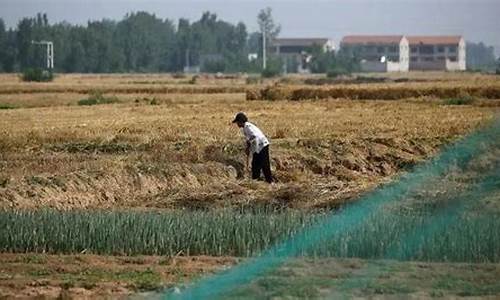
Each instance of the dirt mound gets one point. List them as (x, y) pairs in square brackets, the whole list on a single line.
[(394, 92), (309, 173)]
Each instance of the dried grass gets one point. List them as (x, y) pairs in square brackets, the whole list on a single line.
[(185, 153), (388, 92)]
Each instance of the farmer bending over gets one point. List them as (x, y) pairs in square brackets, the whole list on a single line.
[(258, 145)]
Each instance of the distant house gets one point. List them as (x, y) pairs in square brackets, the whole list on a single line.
[(445, 53), (379, 53), (296, 51), (299, 45), (399, 53)]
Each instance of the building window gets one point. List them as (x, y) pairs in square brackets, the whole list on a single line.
[(380, 50), (414, 59), (440, 49), (414, 49), (453, 58), (441, 58), (369, 48), (428, 58), (394, 58), (452, 49), (427, 49), (393, 49)]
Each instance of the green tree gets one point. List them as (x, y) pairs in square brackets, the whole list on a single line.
[(28, 30), (3, 44), (9, 54), (321, 61), (182, 55), (267, 25), (75, 61), (480, 57), (24, 45), (40, 31), (144, 38), (102, 54), (348, 59), (268, 28), (213, 44), (69, 51), (237, 56), (254, 42), (140, 42)]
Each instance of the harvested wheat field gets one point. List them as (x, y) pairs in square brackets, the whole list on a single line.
[(103, 170), (180, 150)]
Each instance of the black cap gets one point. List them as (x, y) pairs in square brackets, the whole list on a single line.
[(240, 118)]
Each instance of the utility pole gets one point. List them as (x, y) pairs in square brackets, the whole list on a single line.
[(187, 60), (264, 58), (50, 52)]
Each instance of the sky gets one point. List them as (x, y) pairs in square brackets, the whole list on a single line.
[(476, 20)]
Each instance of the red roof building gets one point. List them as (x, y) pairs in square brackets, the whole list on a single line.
[(437, 53), (371, 39), (423, 53), (379, 53)]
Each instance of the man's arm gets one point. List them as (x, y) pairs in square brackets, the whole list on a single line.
[(247, 157), (247, 148)]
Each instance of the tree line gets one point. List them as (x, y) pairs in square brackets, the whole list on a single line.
[(481, 57), (140, 42)]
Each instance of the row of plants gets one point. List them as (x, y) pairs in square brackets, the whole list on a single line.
[(443, 210), (230, 233)]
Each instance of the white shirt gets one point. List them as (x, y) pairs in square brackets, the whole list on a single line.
[(255, 136)]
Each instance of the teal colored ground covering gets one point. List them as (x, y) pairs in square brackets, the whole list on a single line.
[(449, 221), (431, 230)]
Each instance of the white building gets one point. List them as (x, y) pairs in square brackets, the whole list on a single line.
[(399, 53), (379, 53), (445, 53)]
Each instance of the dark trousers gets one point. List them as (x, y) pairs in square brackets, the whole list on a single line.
[(260, 162)]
